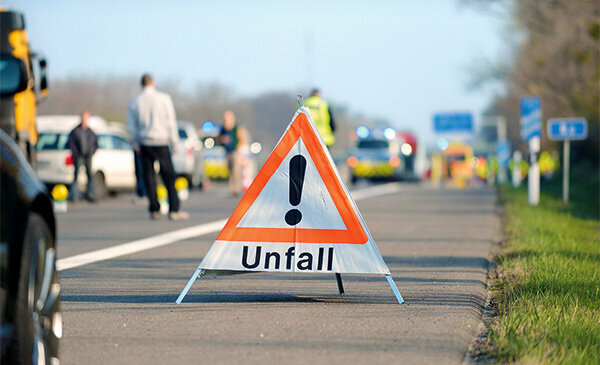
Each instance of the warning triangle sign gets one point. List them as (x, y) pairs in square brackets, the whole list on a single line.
[(297, 216), (323, 210)]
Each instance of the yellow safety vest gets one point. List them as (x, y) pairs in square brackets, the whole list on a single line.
[(319, 111)]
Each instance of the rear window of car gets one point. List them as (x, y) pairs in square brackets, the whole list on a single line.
[(51, 141), (373, 144)]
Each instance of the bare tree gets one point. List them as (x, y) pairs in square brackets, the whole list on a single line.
[(558, 60)]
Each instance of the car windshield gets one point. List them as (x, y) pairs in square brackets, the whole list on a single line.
[(373, 144), (182, 133), (10, 74), (51, 141), (459, 158)]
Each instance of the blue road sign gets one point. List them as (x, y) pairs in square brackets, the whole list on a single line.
[(503, 152), (458, 122), (567, 129), (531, 117)]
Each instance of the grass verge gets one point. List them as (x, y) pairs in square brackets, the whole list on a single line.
[(548, 286)]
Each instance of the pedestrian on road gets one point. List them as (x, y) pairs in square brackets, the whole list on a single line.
[(83, 143), (245, 159), (152, 126), (321, 114), (229, 139)]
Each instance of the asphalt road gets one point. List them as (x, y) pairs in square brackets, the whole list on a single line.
[(436, 242)]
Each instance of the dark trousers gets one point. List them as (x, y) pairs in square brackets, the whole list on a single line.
[(161, 154), (86, 161), (140, 187)]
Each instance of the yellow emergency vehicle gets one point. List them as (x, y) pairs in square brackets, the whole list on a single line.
[(24, 82), (460, 162)]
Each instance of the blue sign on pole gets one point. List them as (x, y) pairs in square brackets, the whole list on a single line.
[(531, 117), (460, 122), (567, 129), (503, 152)]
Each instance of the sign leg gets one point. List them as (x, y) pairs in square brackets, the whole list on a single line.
[(188, 286), (566, 162), (338, 278), (394, 289)]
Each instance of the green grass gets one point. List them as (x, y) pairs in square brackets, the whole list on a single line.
[(548, 290)]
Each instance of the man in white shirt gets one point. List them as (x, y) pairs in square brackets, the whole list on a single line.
[(152, 126)]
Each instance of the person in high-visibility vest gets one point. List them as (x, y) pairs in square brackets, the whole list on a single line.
[(321, 114)]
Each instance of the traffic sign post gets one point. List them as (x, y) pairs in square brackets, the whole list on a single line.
[(502, 150), (516, 171), (567, 130), (453, 122), (533, 176), (563, 129), (566, 163), (531, 131), (503, 153)]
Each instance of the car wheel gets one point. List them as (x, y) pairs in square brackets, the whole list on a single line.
[(100, 186), (38, 322)]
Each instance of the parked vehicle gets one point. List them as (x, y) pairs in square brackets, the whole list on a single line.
[(408, 154), (382, 154), (24, 82), (188, 159), (215, 160), (460, 162), (112, 165), (31, 323), (375, 155)]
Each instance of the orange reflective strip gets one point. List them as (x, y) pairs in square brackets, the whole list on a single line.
[(353, 234)]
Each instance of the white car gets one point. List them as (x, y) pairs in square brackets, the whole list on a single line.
[(112, 164), (187, 161)]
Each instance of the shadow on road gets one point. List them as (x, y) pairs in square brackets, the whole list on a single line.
[(230, 297), (437, 261), (429, 300)]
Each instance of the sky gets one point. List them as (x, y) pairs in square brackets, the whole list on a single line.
[(397, 60)]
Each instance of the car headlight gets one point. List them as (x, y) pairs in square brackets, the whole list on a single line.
[(352, 161), (406, 149)]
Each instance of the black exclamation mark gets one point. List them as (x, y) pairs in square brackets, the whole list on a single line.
[(297, 169)]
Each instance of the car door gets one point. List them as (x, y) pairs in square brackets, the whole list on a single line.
[(103, 159), (179, 157), (123, 165)]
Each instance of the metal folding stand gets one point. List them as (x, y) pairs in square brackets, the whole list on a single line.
[(394, 288), (338, 278), (189, 285)]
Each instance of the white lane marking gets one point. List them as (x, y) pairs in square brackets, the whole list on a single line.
[(186, 233), (139, 245), (377, 190)]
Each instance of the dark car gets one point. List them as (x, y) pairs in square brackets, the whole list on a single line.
[(29, 291)]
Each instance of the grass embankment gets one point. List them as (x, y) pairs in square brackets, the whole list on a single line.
[(549, 275)]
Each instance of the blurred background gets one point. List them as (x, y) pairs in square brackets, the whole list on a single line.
[(379, 63)]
